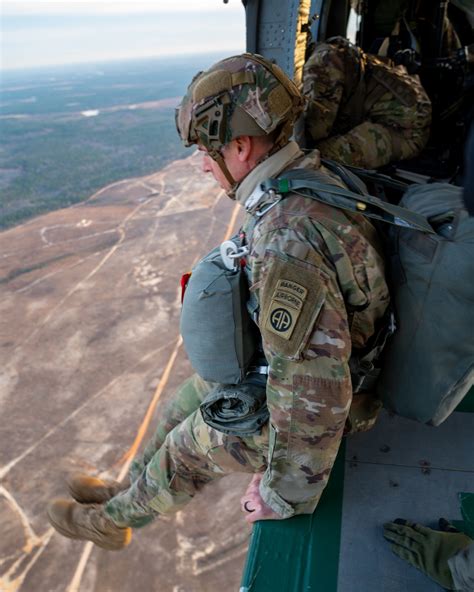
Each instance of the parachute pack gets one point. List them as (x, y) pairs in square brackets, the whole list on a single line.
[(218, 333), (427, 364)]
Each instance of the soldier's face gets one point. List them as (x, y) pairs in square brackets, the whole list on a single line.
[(210, 166), (235, 160)]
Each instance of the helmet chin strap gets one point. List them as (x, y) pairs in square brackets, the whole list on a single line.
[(217, 157)]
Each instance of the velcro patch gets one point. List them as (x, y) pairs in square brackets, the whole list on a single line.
[(285, 307), (292, 299)]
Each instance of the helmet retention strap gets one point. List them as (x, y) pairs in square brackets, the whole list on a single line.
[(219, 159)]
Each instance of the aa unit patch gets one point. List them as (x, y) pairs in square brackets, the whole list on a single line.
[(285, 307)]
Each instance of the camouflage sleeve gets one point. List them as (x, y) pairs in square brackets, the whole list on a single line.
[(461, 566), (306, 338), (323, 84)]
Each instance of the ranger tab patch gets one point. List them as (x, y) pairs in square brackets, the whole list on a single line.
[(285, 307)]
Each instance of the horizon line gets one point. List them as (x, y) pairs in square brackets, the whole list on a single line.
[(188, 53)]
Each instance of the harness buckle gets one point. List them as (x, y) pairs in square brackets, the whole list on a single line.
[(264, 210), (231, 254), (254, 197)]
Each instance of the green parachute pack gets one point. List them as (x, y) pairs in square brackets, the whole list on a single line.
[(427, 364), (218, 334), (221, 342)]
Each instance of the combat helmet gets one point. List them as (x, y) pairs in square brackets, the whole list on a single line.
[(241, 95)]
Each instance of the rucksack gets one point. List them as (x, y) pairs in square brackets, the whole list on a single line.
[(427, 364)]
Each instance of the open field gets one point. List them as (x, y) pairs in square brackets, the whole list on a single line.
[(89, 314)]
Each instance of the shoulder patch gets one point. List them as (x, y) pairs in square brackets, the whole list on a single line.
[(291, 300)]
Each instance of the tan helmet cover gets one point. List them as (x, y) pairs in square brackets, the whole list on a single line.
[(241, 95)]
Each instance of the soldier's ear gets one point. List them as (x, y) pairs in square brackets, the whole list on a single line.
[(243, 145)]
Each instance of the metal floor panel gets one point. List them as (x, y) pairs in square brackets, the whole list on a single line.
[(399, 469)]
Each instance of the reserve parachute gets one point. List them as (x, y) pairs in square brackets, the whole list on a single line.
[(218, 333)]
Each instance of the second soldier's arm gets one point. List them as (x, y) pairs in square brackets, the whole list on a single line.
[(323, 86)]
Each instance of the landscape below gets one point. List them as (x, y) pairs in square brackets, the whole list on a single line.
[(69, 131)]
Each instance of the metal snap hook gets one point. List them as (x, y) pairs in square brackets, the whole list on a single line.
[(231, 254)]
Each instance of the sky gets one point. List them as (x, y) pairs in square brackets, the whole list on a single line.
[(43, 33)]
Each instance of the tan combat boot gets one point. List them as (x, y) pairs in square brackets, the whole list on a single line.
[(88, 522), (91, 490)]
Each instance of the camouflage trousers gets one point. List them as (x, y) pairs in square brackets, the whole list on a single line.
[(183, 455), (391, 132)]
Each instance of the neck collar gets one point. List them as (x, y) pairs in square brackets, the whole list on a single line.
[(270, 167)]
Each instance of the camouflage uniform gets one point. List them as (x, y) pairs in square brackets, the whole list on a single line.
[(362, 111), (309, 263), (461, 566)]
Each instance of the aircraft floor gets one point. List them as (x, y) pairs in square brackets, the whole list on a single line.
[(398, 469)]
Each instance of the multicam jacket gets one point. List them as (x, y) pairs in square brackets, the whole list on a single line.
[(318, 288)]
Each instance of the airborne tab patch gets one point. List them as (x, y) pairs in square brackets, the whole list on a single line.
[(289, 299), (285, 307)]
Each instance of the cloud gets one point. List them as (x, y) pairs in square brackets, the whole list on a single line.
[(41, 40)]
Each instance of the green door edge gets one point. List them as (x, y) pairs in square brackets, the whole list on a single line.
[(302, 553)]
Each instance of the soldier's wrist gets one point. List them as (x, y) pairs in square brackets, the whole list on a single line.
[(274, 501)]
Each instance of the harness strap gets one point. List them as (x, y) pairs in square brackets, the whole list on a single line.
[(363, 364), (303, 182), (351, 180)]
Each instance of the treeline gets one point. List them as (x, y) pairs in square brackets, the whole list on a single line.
[(61, 162)]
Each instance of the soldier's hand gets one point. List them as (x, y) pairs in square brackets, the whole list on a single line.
[(253, 505), (425, 548), (254, 485)]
